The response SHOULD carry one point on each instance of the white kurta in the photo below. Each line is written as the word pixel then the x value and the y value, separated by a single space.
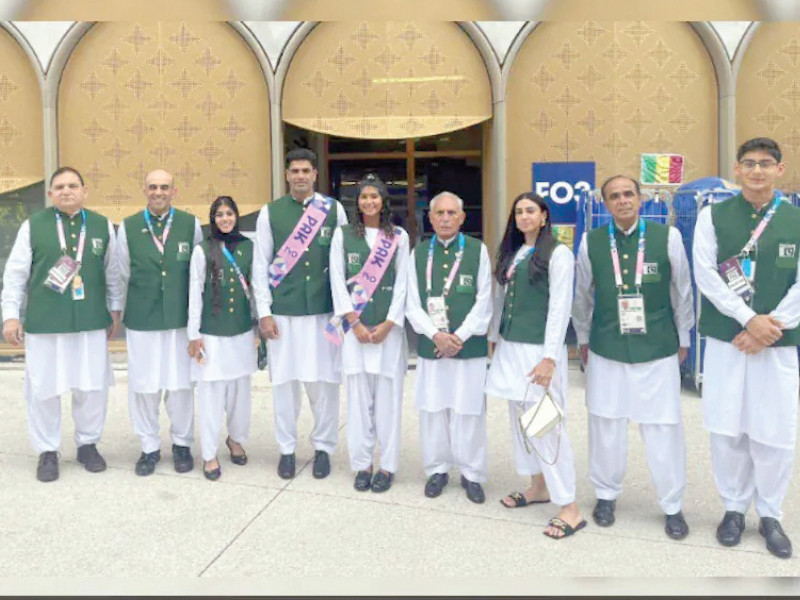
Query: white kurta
pixel 227 357
pixel 301 352
pixel 751 394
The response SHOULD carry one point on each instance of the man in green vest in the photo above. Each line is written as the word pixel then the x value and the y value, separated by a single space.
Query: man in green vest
pixel 449 306
pixel 153 252
pixel 633 330
pixel 293 312
pixel 745 261
pixel 62 261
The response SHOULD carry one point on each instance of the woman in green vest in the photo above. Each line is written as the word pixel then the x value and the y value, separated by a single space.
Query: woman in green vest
pixel 532 301
pixel 221 334
pixel 374 349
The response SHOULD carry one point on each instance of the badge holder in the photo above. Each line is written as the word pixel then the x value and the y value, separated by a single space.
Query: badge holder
pixel 630 308
pixel 737 272
pixel 62 273
pixel 78 292
pixel 437 311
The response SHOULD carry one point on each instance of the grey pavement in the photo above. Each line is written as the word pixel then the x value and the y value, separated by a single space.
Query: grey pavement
pixel 254 532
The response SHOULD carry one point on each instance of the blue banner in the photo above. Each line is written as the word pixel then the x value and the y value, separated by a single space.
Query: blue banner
pixel 560 183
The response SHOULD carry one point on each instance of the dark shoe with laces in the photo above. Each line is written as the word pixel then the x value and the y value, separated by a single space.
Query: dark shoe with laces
pixel 363 481
pixel 47 469
pixel 146 464
pixel 182 456
pixel 676 526
pixel 603 513
pixel 382 481
pixel 729 531
pixel 435 484
pixel 322 465
pixel 777 541
pixel 286 466
pixel 474 490
pixel 90 458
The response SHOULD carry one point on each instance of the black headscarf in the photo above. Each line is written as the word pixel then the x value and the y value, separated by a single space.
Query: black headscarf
pixel 215 240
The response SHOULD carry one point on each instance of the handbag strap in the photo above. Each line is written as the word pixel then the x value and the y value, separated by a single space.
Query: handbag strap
pixel 529 443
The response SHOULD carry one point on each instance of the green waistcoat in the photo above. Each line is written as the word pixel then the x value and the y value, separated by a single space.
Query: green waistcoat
pixel 525 307
pixel 234 316
pixel 48 311
pixel 775 257
pixel 462 294
pixel 158 289
pixel 661 339
pixel 356 252
pixel 306 288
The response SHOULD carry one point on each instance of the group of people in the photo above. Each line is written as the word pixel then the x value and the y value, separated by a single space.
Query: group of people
pixel 331 298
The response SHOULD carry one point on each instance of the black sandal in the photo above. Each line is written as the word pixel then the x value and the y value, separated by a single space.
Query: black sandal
pixel 213 474
pixel 237 459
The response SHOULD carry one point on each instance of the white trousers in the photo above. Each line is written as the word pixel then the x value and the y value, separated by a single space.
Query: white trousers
pixel 144 416
pixel 665 451
pixel 324 399
pixel 88 414
pixel 744 468
pixel 374 413
pixel 451 439
pixel 215 399
pixel 560 476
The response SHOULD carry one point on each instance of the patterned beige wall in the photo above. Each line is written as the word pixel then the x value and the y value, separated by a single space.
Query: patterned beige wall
pixel 386 80
pixel 607 92
pixel 768 94
pixel 21 149
pixel 186 97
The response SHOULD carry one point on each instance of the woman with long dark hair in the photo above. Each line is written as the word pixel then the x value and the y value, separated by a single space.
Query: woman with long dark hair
pixel 221 334
pixel 532 301
pixel 374 352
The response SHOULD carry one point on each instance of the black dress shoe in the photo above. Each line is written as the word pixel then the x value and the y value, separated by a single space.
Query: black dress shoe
pixel 147 462
pixel 286 466
pixel 182 456
pixel 47 469
pixel 237 459
pixel 603 513
pixel 675 526
pixel 435 484
pixel 322 465
pixel 90 458
pixel 777 541
pixel 474 490
pixel 729 531
pixel 213 474
pixel 382 482
pixel 363 481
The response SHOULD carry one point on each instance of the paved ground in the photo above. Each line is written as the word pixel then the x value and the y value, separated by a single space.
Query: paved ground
pixel 252 532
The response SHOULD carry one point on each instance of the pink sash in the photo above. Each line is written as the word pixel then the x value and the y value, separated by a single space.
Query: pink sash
pixel 303 234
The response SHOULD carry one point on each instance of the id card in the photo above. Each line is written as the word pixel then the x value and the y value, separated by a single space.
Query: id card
pixel 735 278
pixel 437 311
pixel 78 292
pixel 631 314
pixel 60 274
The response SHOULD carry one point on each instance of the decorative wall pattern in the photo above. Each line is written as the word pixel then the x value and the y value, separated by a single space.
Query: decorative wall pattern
pixel 386 80
pixel 607 92
pixel 186 97
pixel 768 94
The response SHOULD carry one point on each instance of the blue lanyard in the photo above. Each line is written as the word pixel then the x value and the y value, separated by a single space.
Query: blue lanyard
pixel 62 239
pixel 160 243
pixel 239 274
pixel 761 227
pixel 429 270
pixel 518 259
pixel 612 241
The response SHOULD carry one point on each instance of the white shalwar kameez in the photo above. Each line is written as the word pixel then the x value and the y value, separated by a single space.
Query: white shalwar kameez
pixel 56 363
pixel 508 378
pixel 223 380
pixel 647 393
pixel 374 373
pixel 158 364
pixel 300 354
pixel 749 401
pixel 449 391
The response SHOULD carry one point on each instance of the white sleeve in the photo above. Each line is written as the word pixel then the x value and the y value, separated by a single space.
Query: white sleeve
pixel 262 257
pixel 788 309
pixel 197 282
pixel 680 287
pixel 115 300
pixel 477 320
pixel 709 281
pixel 416 315
pixel 498 301
pixel 198 232
pixel 17 273
pixel 583 303
pixel 561 270
pixel 341 297
pixel 398 305
pixel 123 259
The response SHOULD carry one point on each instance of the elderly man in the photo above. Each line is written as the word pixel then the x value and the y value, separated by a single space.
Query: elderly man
pixel 449 305
pixel 293 297
pixel 154 247
pixel 750 318
pixel 632 314
pixel 62 261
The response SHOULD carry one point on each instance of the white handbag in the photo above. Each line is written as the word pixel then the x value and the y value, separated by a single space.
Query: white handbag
pixel 539 420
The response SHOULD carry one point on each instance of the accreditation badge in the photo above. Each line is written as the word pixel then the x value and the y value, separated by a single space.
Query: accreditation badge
pixel 61 274
pixel 437 311
pixel 78 291
pixel 631 314
pixel 737 274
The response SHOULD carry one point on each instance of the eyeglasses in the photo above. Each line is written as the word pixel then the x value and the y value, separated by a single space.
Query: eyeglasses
pixel 749 165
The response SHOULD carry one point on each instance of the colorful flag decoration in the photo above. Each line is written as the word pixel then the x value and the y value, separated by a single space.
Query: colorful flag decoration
pixel 662 169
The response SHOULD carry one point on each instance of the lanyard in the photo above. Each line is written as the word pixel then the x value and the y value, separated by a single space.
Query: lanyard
pixel 612 241
pixel 518 259
pixel 239 274
pixel 429 270
pixel 160 243
pixel 62 239
pixel 761 227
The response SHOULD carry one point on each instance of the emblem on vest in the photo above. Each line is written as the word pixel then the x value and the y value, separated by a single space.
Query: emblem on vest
pixel 466 281
pixel 353 258
pixel 650 269
pixel 325 231
pixel 183 247
pixel 97 246
pixel 787 250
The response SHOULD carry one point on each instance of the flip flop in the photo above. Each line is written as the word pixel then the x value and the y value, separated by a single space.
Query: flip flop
pixel 520 501
pixel 563 527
